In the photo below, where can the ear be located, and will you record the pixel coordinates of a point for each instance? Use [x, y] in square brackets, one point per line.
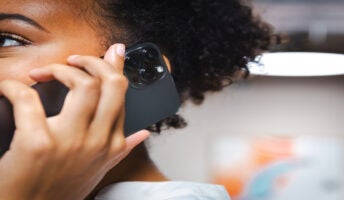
[168, 64]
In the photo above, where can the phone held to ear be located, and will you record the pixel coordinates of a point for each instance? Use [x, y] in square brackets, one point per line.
[151, 95]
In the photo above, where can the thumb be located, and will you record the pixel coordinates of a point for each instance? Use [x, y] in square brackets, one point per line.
[135, 139]
[131, 142]
[115, 56]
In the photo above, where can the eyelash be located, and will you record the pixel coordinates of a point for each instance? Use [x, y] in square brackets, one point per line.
[15, 37]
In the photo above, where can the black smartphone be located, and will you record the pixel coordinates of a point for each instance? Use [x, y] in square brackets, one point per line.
[151, 95]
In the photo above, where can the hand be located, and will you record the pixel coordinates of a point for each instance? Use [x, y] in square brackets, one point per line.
[65, 156]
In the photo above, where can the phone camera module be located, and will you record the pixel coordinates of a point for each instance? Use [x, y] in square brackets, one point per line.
[143, 67]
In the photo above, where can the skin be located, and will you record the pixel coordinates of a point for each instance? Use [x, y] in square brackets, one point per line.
[52, 167]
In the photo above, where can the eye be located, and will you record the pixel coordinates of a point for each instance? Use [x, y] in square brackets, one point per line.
[12, 40]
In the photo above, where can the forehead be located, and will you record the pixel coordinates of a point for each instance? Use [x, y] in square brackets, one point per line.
[64, 21]
[48, 12]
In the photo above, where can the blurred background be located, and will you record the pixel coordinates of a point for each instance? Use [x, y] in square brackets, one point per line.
[268, 137]
[312, 25]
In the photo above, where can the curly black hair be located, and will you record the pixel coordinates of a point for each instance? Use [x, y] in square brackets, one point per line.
[206, 41]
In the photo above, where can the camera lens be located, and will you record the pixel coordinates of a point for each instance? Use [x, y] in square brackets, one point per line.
[147, 75]
[151, 55]
[143, 67]
[133, 60]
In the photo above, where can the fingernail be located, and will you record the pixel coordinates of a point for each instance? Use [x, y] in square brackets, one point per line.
[120, 49]
[114, 51]
[72, 57]
[35, 71]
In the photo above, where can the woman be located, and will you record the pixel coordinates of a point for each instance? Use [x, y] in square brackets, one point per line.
[65, 157]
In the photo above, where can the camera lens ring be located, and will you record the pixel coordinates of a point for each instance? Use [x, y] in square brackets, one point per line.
[144, 67]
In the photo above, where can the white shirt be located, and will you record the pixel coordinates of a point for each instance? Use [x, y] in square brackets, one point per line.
[162, 191]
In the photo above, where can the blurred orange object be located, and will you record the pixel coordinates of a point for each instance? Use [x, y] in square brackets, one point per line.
[233, 184]
[271, 149]
[262, 152]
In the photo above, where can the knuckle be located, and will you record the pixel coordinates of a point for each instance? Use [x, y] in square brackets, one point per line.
[98, 146]
[77, 144]
[90, 84]
[119, 145]
[28, 94]
[42, 147]
[75, 147]
[116, 79]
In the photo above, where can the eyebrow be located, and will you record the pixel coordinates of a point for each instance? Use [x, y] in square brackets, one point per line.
[6, 16]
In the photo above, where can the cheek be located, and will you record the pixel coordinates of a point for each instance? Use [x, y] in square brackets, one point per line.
[18, 68]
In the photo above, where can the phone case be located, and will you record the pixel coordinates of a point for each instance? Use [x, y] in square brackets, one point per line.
[151, 94]
[154, 99]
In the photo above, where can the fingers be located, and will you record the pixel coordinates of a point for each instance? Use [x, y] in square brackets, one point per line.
[97, 92]
[27, 109]
[113, 85]
[83, 97]
[94, 106]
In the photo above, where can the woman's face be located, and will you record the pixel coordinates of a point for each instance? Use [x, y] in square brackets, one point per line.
[34, 33]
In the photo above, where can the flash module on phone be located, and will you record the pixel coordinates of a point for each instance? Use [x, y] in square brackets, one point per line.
[151, 95]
